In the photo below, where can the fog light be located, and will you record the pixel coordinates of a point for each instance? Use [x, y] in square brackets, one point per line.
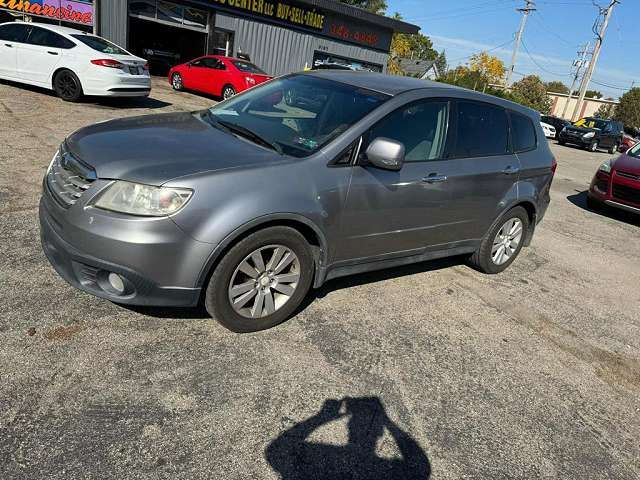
[116, 282]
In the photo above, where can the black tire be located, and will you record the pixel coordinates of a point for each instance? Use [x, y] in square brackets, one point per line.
[227, 92]
[176, 82]
[561, 142]
[481, 259]
[67, 86]
[217, 300]
[593, 147]
[613, 148]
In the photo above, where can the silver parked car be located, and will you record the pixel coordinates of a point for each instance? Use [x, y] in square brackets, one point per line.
[309, 177]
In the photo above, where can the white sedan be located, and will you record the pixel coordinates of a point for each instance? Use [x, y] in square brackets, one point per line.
[70, 62]
[549, 130]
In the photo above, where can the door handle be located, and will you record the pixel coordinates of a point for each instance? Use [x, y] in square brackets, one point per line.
[8, 45]
[510, 170]
[52, 53]
[434, 178]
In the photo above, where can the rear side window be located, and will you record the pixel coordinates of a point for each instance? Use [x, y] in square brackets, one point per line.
[482, 130]
[101, 45]
[13, 33]
[523, 133]
[47, 38]
[247, 67]
[421, 127]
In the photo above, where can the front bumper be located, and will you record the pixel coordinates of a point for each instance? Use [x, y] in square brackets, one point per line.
[616, 191]
[159, 263]
[573, 140]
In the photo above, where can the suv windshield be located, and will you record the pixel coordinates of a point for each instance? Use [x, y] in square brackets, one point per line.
[247, 67]
[100, 44]
[298, 114]
[591, 123]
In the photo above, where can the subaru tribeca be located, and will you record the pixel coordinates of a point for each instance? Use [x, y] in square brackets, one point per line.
[247, 205]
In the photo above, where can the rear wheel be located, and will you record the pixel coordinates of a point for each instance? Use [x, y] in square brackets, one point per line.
[228, 91]
[176, 82]
[561, 142]
[613, 148]
[503, 243]
[67, 86]
[261, 281]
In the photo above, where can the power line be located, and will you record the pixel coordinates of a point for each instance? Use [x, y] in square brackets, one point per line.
[540, 66]
[538, 18]
[485, 51]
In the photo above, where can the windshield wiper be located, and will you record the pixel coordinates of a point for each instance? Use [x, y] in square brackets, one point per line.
[249, 134]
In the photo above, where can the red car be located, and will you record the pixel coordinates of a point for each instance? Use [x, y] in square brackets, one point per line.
[627, 142]
[216, 75]
[617, 183]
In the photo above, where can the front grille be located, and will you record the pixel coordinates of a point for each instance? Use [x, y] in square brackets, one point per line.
[625, 193]
[632, 176]
[68, 179]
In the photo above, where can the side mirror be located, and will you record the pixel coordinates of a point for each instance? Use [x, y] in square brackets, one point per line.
[386, 154]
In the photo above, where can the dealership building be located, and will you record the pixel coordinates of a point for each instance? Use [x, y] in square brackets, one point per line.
[280, 36]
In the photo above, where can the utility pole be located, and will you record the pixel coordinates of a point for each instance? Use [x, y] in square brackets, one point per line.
[530, 7]
[596, 52]
[578, 64]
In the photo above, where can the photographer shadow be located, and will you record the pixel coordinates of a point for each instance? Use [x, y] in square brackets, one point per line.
[294, 457]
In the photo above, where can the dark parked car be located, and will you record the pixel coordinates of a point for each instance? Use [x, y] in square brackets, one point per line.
[593, 133]
[558, 123]
[617, 183]
[250, 203]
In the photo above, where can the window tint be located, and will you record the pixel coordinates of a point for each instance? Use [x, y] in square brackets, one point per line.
[247, 67]
[523, 133]
[99, 44]
[421, 127]
[47, 38]
[212, 63]
[482, 130]
[13, 33]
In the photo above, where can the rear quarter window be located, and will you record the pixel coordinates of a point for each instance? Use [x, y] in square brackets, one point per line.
[523, 133]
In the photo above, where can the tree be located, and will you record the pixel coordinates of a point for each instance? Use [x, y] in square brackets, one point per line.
[557, 86]
[628, 110]
[589, 94]
[532, 92]
[606, 110]
[378, 7]
[400, 48]
[490, 68]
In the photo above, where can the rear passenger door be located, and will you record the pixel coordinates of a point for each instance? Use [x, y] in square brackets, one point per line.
[481, 168]
[39, 56]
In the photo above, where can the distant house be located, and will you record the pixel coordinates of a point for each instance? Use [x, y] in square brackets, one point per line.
[425, 69]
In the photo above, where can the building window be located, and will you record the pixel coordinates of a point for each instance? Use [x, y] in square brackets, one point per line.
[169, 13]
[222, 43]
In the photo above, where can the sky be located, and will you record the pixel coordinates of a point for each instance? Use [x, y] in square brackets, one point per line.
[551, 39]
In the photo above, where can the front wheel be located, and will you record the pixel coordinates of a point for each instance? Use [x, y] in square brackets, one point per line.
[503, 243]
[261, 281]
[176, 82]
[593, 147]
[67, 86]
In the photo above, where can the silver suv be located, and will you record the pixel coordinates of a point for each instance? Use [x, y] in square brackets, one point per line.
[309, 177]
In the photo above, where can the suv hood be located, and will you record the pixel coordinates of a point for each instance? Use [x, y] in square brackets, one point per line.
[581, 130]
[154, 149]
[627, 164]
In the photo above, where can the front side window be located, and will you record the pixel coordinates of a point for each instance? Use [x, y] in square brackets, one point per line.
[421, 127]
[247, 67]
[100, 44]
[482, 130]
[296, 115]
[523, 132]
[15, 32]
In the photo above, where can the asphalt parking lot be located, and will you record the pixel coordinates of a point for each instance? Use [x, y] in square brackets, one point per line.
[533, 373]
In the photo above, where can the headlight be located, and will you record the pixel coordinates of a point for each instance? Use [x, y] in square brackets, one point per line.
[55, 157]
[605, 167]
[589, 135]
[137, 199]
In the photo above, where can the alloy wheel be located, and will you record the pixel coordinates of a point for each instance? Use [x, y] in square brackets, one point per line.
[66, 85]
[507, 241]
[264, 281]
[594, 146]
[176, 81]
[228, 92]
